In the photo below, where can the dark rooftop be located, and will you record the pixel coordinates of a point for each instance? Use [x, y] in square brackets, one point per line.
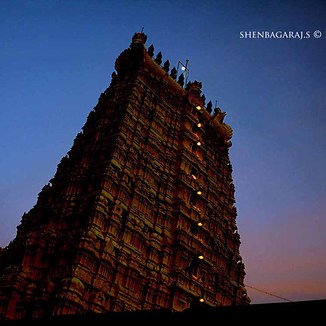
[309, 312]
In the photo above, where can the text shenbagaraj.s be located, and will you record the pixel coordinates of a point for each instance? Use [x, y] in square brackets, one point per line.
[278, 34]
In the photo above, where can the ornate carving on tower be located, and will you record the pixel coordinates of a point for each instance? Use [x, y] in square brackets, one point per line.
[133, 57]
[194, 94]
[139, 38]
[140, 213]
[223, 129]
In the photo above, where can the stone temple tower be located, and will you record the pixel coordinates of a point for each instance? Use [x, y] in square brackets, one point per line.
[140, 213]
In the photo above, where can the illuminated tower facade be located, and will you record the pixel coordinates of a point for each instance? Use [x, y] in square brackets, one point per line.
[140, 213]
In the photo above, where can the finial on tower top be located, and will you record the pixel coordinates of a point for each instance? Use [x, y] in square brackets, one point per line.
[139, 37]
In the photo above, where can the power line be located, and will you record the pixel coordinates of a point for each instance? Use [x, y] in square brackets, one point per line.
[271, 294]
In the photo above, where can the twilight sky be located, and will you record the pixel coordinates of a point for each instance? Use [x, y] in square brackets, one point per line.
[56, 57]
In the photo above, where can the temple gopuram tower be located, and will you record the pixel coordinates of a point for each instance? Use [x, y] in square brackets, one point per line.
[140, 213]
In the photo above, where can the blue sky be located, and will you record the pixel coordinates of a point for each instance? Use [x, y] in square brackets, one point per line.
[57, 57]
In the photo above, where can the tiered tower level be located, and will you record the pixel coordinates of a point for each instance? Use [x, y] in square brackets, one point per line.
[140, 213]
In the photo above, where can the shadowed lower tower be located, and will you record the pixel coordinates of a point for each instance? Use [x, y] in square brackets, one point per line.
[140, 213]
